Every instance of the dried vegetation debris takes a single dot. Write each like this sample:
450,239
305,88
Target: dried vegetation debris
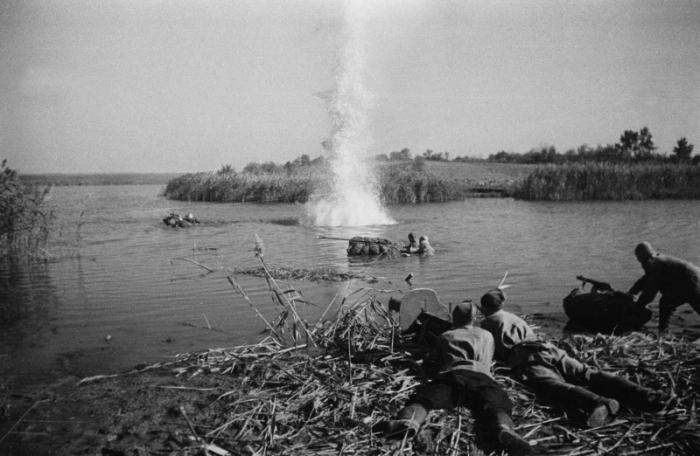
292,402
319,389
316,274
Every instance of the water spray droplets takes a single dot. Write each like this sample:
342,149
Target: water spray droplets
352,197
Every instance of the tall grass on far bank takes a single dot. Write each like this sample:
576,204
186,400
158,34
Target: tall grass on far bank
24,219
242,187
414,183
611,181
406,182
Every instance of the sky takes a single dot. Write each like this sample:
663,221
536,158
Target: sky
89,86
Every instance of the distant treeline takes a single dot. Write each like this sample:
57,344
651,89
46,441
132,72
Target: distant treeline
99,179
611,181
633,147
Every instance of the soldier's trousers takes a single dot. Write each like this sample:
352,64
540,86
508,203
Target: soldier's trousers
557,377
480,393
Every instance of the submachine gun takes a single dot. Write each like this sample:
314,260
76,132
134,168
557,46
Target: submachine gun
603,309
596,285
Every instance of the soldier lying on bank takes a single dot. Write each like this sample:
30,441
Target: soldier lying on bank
557,377
677,280
461,365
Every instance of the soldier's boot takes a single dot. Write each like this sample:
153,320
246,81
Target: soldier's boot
603,413
599,409
406,423
507,437
627,392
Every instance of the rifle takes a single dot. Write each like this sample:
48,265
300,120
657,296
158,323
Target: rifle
596,284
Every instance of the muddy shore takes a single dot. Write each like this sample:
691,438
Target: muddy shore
264,399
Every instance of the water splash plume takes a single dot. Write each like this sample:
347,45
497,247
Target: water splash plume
351,197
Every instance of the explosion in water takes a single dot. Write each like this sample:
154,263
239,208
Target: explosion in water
353,196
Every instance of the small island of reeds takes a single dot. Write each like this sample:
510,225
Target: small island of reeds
627,170
398,182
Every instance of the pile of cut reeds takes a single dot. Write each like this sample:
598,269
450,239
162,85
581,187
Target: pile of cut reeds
318,389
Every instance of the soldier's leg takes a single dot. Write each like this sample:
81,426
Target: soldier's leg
433,395
627,392
491,404
695,303
574,399
667,305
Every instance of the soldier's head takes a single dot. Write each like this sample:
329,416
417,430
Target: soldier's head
411,238
492,301
463,314
644,251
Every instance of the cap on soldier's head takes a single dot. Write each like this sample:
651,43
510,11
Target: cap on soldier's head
463,314
644,251
493,301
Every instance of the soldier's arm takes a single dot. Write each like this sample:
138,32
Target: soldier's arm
647,296
648,286
433,361
638,286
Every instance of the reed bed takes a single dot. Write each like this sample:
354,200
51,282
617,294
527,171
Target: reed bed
611,181
398,183
243,187
318,387
316,274
26,221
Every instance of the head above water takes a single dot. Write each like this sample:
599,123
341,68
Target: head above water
463,314
492,301
423,240
644,251
411,238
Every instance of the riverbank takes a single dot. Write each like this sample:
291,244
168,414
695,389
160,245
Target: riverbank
323,395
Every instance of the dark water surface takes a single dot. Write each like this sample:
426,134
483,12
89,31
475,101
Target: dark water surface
118,296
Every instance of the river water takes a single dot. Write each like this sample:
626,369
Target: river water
118,293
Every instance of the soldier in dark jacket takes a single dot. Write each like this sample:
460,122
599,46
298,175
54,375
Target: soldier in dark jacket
677,280
554,375
461,365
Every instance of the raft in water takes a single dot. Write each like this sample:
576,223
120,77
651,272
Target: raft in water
177,221
360,246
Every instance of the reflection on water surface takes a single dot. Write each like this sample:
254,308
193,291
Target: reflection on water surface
117,297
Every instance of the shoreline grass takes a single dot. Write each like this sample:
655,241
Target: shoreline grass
26,221
611,181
